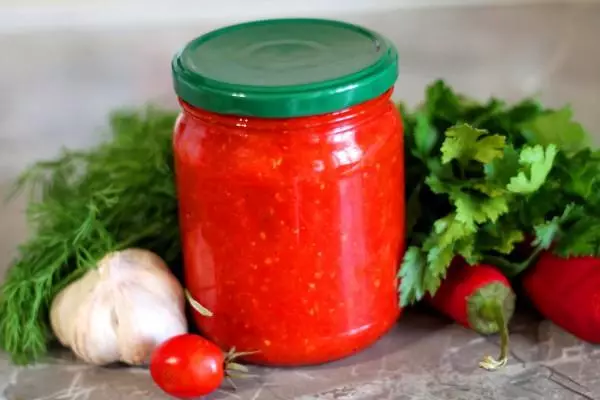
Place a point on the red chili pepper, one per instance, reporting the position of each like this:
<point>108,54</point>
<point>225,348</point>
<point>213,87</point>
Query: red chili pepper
<point>478,297</point>
<point>567,292</point>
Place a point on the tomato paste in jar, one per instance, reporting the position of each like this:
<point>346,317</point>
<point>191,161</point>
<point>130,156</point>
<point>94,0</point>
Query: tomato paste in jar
<point>289,165</point>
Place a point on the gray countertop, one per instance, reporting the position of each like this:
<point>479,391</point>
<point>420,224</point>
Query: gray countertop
<point>57,87</point>
<point>423,358</point>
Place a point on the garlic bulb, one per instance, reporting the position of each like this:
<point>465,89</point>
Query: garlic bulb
<point>121,310</point>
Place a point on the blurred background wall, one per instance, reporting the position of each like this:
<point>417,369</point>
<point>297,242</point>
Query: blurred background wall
<point>18,15</point>
<point>64,64</point>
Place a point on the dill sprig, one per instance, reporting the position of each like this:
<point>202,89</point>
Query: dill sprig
<point>82,205</point>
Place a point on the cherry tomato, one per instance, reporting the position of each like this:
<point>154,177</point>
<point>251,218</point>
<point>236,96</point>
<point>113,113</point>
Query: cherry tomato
<point>187,366</point>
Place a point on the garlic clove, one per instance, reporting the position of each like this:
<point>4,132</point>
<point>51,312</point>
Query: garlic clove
<point>95,340</point>
<point>142,279</point>
<point>136,265</point>
<point>66,304</point>
<point>142,329</point>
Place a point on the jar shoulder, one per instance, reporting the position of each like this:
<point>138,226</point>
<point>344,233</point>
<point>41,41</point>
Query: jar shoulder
<point>277,153</point>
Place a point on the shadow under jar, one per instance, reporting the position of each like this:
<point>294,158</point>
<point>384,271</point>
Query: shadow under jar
<point>290,176</point>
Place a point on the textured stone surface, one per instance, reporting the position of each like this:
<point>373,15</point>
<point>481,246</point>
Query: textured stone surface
<point>56,90</point>
<point>423,358</point>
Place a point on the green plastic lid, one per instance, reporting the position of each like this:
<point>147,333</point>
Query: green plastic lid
<point>284,68</point>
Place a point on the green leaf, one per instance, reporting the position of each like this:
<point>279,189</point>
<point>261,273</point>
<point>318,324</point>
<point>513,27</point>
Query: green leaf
<point>408,118</point>
<point>557,128</point>
<point>438,186</point>
<point>479,115</point>
<point>446,231</point>
<point>411,274</point>
<point>413,210</point>
<point>438,261</point>
<point>477,211</point>
<point>500,236</point>
<point>425,136</point>
<point>468,250</point>
<point>502,169</point>
<point>532,209</point>
<point>550,231</point>
<point>442,102</point>
<point>475,202</point>
<point>508,241</point>
<point>489,188</point>
<point>579,174</point>
<point>581,239</point>
<point>465,143</point>
<point>424,267</point>
<point>546,233</point>
<point>537,163</point>
<point>449,236</point>
<point>525,110</point>
<point>575,233</point>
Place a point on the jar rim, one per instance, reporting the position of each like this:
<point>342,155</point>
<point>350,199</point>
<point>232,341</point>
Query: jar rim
<point>365,111</point>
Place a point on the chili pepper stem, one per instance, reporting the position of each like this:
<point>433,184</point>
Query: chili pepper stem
<point>490,363</point>
<point>489,310</point>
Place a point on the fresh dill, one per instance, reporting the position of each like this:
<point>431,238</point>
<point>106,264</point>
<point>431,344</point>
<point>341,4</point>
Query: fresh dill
<point>82,205</point>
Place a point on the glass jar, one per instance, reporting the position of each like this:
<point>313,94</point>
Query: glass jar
<point>289,164</point>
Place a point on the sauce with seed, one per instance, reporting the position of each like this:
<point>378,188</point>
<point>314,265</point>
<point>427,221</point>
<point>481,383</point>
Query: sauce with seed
<point>293,229</point>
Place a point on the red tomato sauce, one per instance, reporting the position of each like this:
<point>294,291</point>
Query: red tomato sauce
<point>293,229</point>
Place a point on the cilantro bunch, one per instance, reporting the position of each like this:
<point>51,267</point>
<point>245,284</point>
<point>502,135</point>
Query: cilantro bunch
<point>494,183</point>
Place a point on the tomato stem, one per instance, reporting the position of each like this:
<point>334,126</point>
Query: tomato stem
<point>234,369</point>
<point>231,383</point>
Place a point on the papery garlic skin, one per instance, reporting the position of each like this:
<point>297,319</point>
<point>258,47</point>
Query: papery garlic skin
<point>121,310</point>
